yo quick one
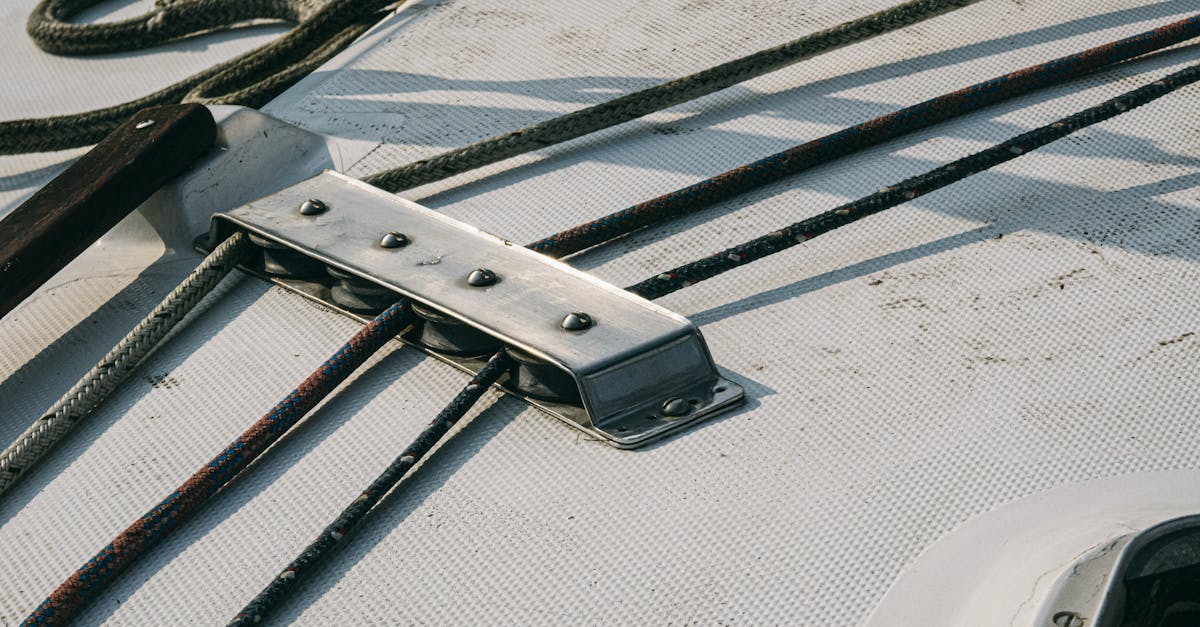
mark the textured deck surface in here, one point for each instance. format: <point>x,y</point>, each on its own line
<point>1033,327</point>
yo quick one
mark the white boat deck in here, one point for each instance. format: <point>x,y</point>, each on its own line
<point>1030,335</point>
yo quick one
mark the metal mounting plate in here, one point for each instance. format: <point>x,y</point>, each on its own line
<point>634,357</point>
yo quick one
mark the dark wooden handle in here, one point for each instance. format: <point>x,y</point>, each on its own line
<point>72,211</point>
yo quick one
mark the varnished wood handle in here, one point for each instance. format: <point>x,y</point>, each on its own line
<point>72,211</point>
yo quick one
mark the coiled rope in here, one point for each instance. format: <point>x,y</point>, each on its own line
<point>90,579</point>
<point>254,78</point>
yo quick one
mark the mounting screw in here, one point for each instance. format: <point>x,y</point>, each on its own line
<point>676,407</point>
<point>313,207</point>
<point>481,277</point>
<point>144,124</point>
<point>577,321</point>
<point>1067,619</point>
<point>395,239</point>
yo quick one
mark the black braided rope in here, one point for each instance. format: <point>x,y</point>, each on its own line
<point>823,150</point>
<point>358,509</point>
<point>888,197</point>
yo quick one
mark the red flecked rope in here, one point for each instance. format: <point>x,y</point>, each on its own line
<point>821,151</point>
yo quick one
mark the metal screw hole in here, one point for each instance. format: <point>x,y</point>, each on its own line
<point>694,401</point>
<point>719,389</point>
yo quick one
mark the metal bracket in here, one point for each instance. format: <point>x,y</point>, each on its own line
<point>641,371</point>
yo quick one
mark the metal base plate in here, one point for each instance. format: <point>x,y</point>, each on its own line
<point>627,431</point>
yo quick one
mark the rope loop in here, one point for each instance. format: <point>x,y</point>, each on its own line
<point>322,28</point>
<point>168,21</point>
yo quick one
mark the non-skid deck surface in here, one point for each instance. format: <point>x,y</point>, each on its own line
<point>1030,328</point>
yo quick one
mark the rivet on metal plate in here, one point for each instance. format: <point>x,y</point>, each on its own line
<point>313,207</point>
<point>394,239</point>
<point>481,277</point>
<point>627,371</point>
<point>676,407</point>
<point>577,321</point>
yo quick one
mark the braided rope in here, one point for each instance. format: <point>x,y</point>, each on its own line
<point>99,571</point>
<point>167,21</point>
<point>358,509</point>
<point>820,151</point>
<point>100,381</point>
<point>255,77</point>
<point>94,575</point>
<point>657,98</point>
<point>250,79</point>
<point>888,197</point>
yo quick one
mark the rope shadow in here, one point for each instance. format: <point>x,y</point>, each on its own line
<point>31,180</point>
<point>840,275</point>
<point>708,111</point>
<point>1100,144</point>
<point>736,148</point>
<point>585,89</point>
<point>120,312</point>
<point>301,440</point>
<point>404,499</point>
<point>993,194</point>
<point>1165,239</point>
<point>84,435</point>
<point>699,132</point>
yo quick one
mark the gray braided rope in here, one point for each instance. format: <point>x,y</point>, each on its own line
<point>101,380</point>
<point>657,98</point>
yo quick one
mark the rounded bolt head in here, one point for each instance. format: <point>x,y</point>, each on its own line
<point>481,277</point>
<point>676,407</point>
<point>577,321</point>
<point>395,239</point>
<point>313,207</point>
<point>144,124</point>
